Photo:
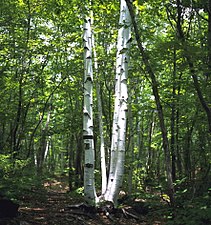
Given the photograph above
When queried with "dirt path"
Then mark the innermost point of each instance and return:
(55, 210)
(52, 207)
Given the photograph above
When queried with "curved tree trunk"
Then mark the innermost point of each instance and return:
(152, 76)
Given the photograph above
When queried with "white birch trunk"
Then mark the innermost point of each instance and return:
(120, 106)
(89, 178)
(100, 118)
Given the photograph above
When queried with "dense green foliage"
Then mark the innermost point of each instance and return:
(41, 95)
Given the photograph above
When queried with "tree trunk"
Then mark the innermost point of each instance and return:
(149, 162)
(15, 133)
(100, 119)
(70, 147)
(187, 149)
(188, 57)
(43, 144)
(152, 76)
(131, 146)
(78, 162)
(173, 116)
(89, 151)
(120, 107)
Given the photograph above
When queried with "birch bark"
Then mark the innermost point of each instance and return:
(89, 178)
(109, 191)
(100, 116)
(120, 106)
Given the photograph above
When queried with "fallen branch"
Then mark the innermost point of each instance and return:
(126, 214)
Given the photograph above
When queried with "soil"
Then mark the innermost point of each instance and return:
(53, 205)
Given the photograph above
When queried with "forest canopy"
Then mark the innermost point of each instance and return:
(164, 120)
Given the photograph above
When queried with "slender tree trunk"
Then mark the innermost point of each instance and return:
(150, 150)
(152, 76)
(187, 154)
(173, 115)
(130, 148)
(177, 127)
(189, 59)
(89, 178)
(79, 176)
(15, 134)
(100, 119)
(70, 147)
(187, 149)
(43, 144)
(120, 107)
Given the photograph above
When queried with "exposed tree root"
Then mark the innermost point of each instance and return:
(107, 210)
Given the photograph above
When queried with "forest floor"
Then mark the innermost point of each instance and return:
(53, 205)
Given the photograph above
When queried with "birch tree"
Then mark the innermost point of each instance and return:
(100, 115)
(117, 156)
(89, 181)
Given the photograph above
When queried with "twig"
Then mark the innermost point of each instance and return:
(126, 214)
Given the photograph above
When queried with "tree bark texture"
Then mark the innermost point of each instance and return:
(89, 152)
(120, 106)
